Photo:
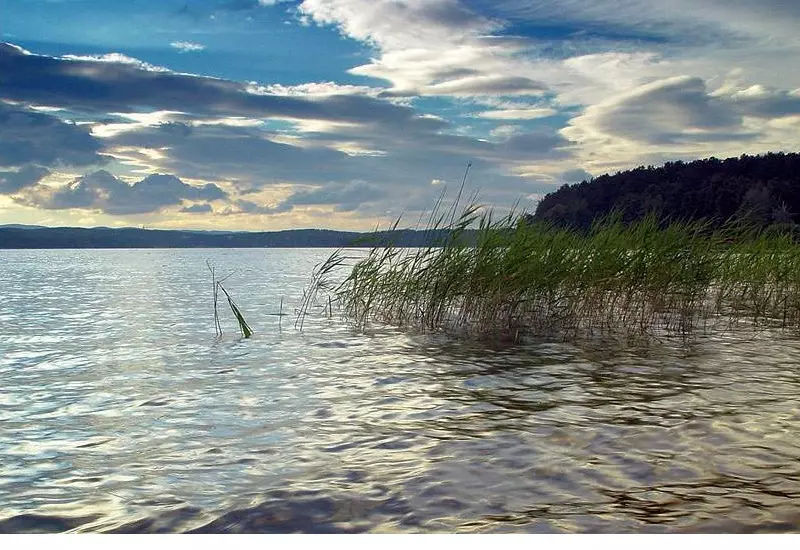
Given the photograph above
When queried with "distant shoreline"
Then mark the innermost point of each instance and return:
(33, 238)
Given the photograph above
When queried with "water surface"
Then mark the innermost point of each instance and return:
(121, 411)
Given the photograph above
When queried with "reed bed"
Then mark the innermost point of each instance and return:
(504, 278)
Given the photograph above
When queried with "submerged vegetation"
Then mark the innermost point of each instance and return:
(511, 278)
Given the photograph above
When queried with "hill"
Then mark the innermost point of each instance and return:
(104, 237)
(762, 189)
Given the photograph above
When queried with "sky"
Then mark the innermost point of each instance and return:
(346, 114)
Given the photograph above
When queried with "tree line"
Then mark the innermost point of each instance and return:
(762, 190)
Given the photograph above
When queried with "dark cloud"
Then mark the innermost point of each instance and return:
(535, 145)
(126, 86)
(767, 104)
(346, 196)
(576, 175)
(33, 137)
(449, 14)
(203, 208)
(250, 207)
(673, 110)
(103, 191)
(227, 152)
(390, 149)
(489, 85)
(453, 74)
(467, 82)
(369, 183)
(27, 176)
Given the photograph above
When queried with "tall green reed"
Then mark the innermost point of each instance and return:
(503, 278)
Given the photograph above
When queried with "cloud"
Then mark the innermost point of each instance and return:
(673, 110)
(92, 85)
(487, 85)
(584, 57)
(685, 20)
(27, 176)
(202, 208)
(518, 114)
(409, 159)
(527, 90)
(103, 191)
(534, 145)
(377, 20)
(185, 47)
(758, 101)
(427, 47)
(336, 135)
(504, 131)
(575, 175)
(250, 207)
(28, 136)
(345, 196)
(315, 89)
(111, 58)
(218, 152)
(683, 117)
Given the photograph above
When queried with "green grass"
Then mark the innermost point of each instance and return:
(510, 279)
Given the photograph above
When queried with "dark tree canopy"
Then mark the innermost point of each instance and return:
(763, 189)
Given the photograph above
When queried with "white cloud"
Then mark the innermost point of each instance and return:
(133, 121)
(186, 47)
(505, 131)
(312, 89)
(641, 81)
(430, 47)
(518, 114)
(112, 58)
(680, 117)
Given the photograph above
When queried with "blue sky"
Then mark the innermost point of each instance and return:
(269, 114)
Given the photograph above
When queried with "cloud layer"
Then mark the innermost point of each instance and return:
(35, 137)
(533, 93)
(106, 193)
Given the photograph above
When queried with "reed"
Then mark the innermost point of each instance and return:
(321, 278)
(513, 279)
(244, 327)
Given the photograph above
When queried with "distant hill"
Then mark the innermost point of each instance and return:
(762, 189)
(21, 226)
(104, 237)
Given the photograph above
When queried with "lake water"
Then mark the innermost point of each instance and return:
(121, 411)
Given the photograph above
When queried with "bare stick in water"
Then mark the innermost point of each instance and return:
(215, 293)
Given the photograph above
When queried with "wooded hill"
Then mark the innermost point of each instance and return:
(763, 190)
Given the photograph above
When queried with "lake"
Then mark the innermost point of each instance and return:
(121, 411)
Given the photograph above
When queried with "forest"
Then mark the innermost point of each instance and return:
(762, 190)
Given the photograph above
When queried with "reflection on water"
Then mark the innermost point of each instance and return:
(121, 412)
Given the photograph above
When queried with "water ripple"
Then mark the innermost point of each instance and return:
(122, 412)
